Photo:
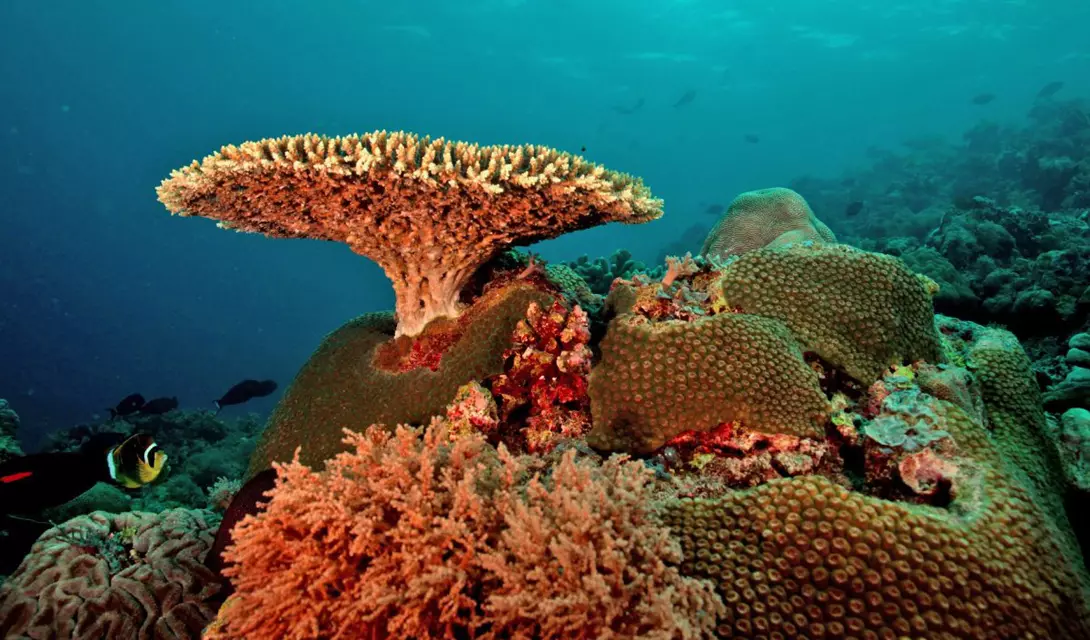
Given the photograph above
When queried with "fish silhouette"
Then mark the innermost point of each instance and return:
(1050, 89)
(686, 98)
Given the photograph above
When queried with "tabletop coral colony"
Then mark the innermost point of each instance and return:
(778, 438)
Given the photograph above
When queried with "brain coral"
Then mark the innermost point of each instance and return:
(414, 535)
(656, 380)
(857, 310)
(429, 212)
(345, 385)
(133, 575)
(804, 558)
(764, 218)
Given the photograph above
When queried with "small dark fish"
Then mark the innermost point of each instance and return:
(983, 98)
(159, 406)
(853, 208)
(245, 391)
(1050, 89)
(627, 111)
(714, 209)
(129, 405)
(583, 149)
(41, 480)
(686, 98)
(752, 138)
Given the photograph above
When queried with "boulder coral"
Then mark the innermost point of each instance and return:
(764, 218)
(349, 382)
(656, 380)
(859, 311)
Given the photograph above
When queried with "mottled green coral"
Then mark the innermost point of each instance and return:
(656, 380)
(859, 311)
(764, 218)
(343, 387)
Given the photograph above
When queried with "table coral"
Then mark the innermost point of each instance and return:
(133, 575)
(428, 211)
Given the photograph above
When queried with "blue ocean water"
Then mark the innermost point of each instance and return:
(102, 293)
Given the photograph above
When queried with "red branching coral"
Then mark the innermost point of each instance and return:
(420, 535)
(132, 575)
(542, 392)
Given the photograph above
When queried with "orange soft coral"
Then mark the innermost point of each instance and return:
(418, 535)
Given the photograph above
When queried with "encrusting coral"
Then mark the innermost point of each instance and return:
(418, 534)
(428, 211)
(353, 380)
(131, 575)
(764, 218)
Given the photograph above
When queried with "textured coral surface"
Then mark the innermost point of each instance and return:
(429, 212)
(804, 558)
(656, 380)
(133, 575)
(859, 311)
(766, 217)
(342, 386)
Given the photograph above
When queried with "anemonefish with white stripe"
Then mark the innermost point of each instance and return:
(41, 480)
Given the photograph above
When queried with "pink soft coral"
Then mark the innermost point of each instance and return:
(418, 535)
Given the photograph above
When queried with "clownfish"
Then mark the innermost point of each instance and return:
(41, 480)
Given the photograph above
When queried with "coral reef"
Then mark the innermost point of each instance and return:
(1074, 389)
(1020, 268)
(824, 457)
(999, 220)
(132, 575)
(380, 194)
(9, 425)
(414, 534)
(600, 273)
